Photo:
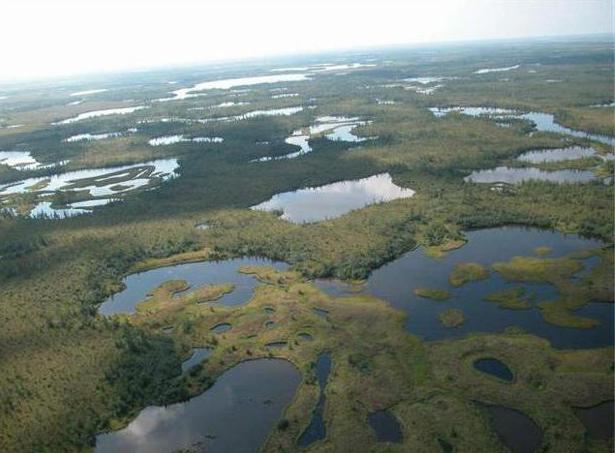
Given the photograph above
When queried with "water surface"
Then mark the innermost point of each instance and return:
(138, 286)
(234, 415)
(517, 175)
(557, 154)
(386, 426)
(504, 69)
(544, 122)
(516, 430)
(397, 280)
(173, 139)
(97, 113)
(317, 430)
(495, 368)
(198, 355)
(333, 200)
(598, 420)
(226, 84)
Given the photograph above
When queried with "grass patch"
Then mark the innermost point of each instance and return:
(543, 251)
(452, 317)
(430, 293)
(530, 269)
(467, 272)
(512, 299)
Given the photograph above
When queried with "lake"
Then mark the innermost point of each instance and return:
(137, 286)
(396, 281)
(313, 204)
(235, 415)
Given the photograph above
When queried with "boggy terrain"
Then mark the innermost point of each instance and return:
(69, 372)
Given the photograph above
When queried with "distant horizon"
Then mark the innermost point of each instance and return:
(282, 57)
(70, 37)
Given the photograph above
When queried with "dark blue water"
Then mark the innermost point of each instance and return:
(396, 281)
(316, 430)
(138, 286)
(598, 420)
(235, 415)
(516, 430)
(386, 426)
(495, 368)
(198, 355)
(220, 328)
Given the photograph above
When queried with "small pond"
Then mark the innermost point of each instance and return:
(86, 92)
(336, 128)
(276, 345)
(97, 181)
(503, 69)
(516, 430)
(598, 420)
(317, 430)
(397, 280)
(235, 415)
(557, 154)
(544, 122)
(44, 210)
(22, 160)
(221, 328)
(226, 84)
(97, 113)
(138, 286)
(173, 139)
(304, 336)
(333, 200)
(516, 175)
(495, 368)
(198, 355)
(386, 426)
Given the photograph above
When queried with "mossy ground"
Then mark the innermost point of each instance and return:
(66, 372)
(452, 317)
(430, 387)
(467, 272)
(513, 299)
(435, 294)
(559, 272)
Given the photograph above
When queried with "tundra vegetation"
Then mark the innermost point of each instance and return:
(68, 373)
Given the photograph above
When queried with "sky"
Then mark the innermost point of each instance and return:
(49, 38)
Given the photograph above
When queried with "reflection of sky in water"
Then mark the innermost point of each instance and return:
(397, 280)
(97, 113)
(198, 355)
(137, 286)
(340, 128)
(23, 160)
(234, 415)
(333, 200)
(543, 121)
(163, 168)
(44, 209)
(557, 154)
(225, 84)
(488, 70)
(513, 175)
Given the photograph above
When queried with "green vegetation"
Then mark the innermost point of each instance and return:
(597, 286)
(430, 293)
(512, 299)
(522, 268)
(452, 317)
(67, 373)
(543, 251)
(467, 272)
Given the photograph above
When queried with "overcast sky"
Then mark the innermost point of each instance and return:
(42, 38)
